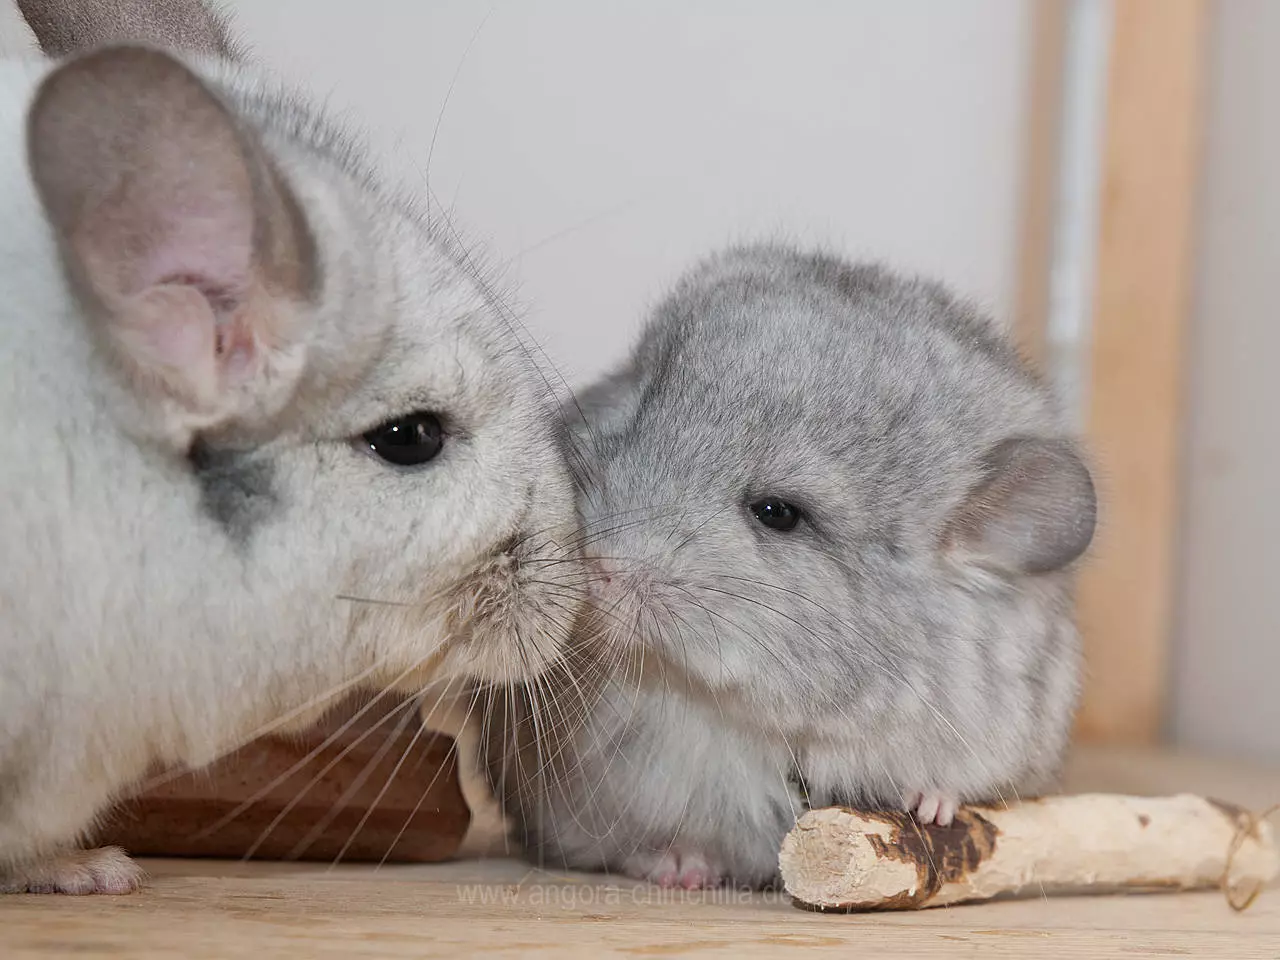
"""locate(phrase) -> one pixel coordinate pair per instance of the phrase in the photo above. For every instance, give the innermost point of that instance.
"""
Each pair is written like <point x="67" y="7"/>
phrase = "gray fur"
<point x="237" y="491"/>
<point x="877" y="650"/>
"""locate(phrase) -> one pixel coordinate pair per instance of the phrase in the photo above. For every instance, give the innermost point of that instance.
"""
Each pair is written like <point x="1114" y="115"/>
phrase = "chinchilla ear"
<point x="187" y="251"/>
<point x="1033" y="512"/>
<point x="607" y="401"/>
<point x="64" y="27"/>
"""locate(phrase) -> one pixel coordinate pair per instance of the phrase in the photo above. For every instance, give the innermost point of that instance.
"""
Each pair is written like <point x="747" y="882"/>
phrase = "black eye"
<point x="408" y="441"/>
<point x="776" y="514"/>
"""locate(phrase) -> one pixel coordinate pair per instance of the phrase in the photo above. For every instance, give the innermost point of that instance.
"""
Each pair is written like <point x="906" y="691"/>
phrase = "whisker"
<point x="322" y="824"/>
<point x="300" y="764"/>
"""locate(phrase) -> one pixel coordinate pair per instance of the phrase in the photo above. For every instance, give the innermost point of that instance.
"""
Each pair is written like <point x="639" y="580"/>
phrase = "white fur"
<point x="133" y="630"/>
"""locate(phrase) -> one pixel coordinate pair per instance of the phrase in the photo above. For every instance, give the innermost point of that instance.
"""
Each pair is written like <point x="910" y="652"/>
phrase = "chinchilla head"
<point x="834" y="499"/>
<point x="356" y="402"/>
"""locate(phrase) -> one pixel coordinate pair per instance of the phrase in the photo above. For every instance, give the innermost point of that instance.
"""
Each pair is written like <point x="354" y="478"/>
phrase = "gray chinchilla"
<point x="830" y="519"/>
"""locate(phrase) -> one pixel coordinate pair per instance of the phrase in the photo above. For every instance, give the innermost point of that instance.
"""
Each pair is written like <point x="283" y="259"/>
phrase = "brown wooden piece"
<point x="421" y="817"/>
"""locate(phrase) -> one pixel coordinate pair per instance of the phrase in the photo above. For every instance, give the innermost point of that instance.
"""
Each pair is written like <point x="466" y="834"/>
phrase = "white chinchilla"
<point x="266" y="434"/>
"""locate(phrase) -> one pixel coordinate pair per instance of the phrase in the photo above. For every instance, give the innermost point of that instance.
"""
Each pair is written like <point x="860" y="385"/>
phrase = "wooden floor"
<point x="502" y="908"/>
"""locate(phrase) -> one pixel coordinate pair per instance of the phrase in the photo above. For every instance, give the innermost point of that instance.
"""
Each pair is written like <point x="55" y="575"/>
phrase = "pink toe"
<point x="673" y="870"/>
<point x="700" y="878"/>
<point x="946" y="812"/>
<point x="78" y="873"/>
<point x="927" y="812"/>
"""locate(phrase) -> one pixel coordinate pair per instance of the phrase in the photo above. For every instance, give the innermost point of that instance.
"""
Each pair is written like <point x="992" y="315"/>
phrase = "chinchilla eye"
<point x="409" y="441"/>
<point x="776" y="514"/>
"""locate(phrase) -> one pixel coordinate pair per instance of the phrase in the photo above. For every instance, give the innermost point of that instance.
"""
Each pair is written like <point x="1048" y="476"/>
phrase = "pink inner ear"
<point x="235" y="346"/>
<point x="169" y="331"/>
<point x="142" y="242"/>
<point x="174" y="277"/>
<point x="158" y="193"/>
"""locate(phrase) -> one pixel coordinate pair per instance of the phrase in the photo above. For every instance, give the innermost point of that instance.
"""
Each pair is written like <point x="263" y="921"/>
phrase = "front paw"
<point x="104" y="870"/>
<point x="931" y="807"/>
<point x="675" y="869"/>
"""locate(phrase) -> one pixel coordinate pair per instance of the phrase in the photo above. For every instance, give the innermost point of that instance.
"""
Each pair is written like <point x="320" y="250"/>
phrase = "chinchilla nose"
<point x="601" y="577"/>
<point x="612" y="580"/>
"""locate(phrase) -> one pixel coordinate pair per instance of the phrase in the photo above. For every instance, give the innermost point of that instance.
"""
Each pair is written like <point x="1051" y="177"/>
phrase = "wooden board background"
<point x="1150" y="168"/>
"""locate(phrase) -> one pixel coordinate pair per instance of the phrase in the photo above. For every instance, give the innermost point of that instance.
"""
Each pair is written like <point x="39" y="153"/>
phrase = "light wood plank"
<point x="441" y="911"/>
<point x="1147" y="221"/>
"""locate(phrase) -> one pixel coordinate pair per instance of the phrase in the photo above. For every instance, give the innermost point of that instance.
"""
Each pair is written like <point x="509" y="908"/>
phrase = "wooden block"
<point x="377" y="793"/>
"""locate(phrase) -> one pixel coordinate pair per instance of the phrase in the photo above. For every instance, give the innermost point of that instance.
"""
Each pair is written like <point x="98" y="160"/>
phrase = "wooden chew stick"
<point x="845" y="860"/>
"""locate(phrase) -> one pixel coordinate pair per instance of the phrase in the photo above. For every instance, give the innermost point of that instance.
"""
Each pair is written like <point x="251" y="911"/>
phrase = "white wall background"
<point x="597" y="148"/>
<point x="1227" y="670"/>
<point x="601" y="146"/>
